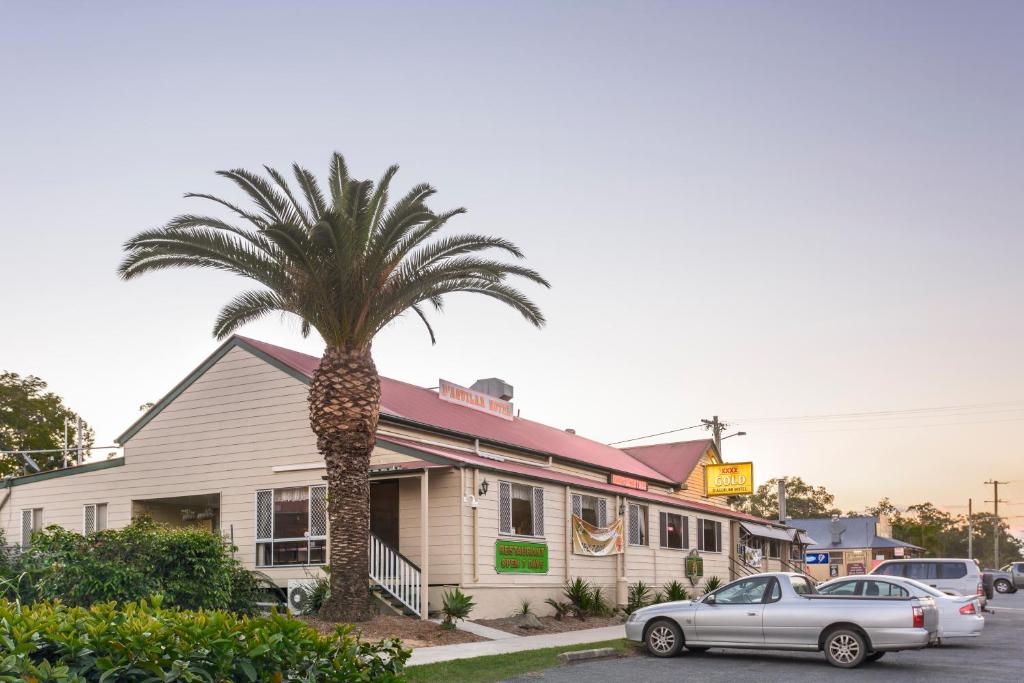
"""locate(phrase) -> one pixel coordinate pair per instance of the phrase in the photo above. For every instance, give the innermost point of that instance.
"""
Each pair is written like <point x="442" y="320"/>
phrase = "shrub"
<point x="599" y="605"/>
<point x="144" y="641"/>
<point x="455" y="605"/>
<point x="524" y="608"/>
<point x="579" y="593"/>
<point x="639" y="595"/>
<point x="673" y="591"/>
<point x="712" y="583"/>
<point x="191" y="568"/>
<point x="561" y="608"/>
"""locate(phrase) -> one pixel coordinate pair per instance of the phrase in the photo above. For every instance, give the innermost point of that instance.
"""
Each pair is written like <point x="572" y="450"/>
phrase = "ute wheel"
<point x="1003" y="586"/>
<point x="874" y="656"/>
<point x="664" y="638"/>
<point x="845" y="648"/>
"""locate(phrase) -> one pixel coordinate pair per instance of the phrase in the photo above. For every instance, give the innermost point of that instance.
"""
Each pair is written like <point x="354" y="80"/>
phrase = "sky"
<point x="755" y="210"/>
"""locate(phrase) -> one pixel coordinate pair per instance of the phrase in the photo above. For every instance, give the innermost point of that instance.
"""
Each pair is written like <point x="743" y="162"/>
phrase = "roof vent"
<point x="837" y="528"/>
<point x="570" y="430"/>
<point x="492" y="386"/>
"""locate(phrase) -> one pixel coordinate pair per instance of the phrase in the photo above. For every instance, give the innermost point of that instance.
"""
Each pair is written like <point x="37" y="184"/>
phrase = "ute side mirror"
<point x="709" y="600"/>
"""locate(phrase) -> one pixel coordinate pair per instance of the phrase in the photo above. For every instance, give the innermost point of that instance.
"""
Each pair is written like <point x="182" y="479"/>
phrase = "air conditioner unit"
<point x="299" y="591"/>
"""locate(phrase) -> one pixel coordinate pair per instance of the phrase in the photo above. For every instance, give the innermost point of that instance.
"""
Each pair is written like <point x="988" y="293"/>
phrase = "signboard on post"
<point x="729" y="479"/>
<point x="520" y="557"/>
<point x="453" y="393"/>
<point x="816" y="558"/>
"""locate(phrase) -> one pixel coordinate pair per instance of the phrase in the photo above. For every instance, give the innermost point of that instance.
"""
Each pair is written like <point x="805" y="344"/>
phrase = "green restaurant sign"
<point x="520" y="557"/>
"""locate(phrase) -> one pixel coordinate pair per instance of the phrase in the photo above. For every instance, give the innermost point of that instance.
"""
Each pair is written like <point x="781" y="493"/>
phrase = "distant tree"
<point x="802" y="500"/>
<point x="32" y="418"/>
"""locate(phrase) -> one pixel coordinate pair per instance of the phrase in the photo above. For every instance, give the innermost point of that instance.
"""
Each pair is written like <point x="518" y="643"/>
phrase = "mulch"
<point x="413" y="632"/>
<point x="552" y="625"/>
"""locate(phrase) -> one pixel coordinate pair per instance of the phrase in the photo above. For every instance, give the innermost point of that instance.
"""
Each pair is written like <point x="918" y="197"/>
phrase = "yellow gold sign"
<point x="729" y="478"/>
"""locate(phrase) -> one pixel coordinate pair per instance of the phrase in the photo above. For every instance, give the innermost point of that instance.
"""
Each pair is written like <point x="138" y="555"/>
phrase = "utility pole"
<point x="716" y="428"/>
<point x="995" y="502"/>
<point x="970" y="528"/>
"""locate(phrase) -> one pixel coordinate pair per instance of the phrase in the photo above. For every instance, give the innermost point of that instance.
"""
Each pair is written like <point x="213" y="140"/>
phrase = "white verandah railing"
<point x="395" y="574"/>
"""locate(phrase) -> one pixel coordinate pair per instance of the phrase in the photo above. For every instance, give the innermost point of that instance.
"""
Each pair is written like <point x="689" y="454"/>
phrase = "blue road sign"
<point x="816" y="558"/>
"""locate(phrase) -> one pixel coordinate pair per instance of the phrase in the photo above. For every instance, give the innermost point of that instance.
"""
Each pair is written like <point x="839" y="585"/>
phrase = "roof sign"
<point x="628" y="482"/>
<point x="475" y="400"/>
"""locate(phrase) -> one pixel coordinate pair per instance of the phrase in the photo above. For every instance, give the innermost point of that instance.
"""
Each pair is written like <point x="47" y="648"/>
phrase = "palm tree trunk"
<point x="344" y="404"/>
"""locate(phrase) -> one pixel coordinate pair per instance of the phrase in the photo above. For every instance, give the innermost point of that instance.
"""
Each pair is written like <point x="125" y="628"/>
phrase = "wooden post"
<point x="424" y="545"/>
<point x="568" y="531"/>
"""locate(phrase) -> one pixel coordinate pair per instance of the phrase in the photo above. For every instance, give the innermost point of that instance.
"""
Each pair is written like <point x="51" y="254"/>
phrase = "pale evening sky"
<point x="749" y="209"/>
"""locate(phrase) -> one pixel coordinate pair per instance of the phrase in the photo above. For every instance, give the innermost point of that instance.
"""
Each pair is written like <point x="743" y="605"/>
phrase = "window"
<point x="922" y="571"/>
<point x="891" y="569"/>
<point x="841" y="588"/>
<point x="883" y="589"/>
<point x="952" y="570"/>
<point x="801" y="586"/>
<point x="796" y="553"/>
<point x="638" y="524"/>
<point x="291" y="526"/>
<point x="776" y="592"/>
<point x="521" y="509"/>
<point x="709" y="535"/>
<point x="675" y="530"/>
<point x="31" y="522"/>
<point x="774" y="549"/>
<point x="94" y="517"/>
<point x="745" y="592"/>
<point x="590" y="509"/>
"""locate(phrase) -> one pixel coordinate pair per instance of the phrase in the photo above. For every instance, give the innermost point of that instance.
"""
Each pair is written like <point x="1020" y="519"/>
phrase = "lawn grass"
<point x="499" y="667"/>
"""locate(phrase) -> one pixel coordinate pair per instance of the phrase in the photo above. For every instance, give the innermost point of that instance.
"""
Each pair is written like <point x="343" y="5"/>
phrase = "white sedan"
<point x="959" y="615"/>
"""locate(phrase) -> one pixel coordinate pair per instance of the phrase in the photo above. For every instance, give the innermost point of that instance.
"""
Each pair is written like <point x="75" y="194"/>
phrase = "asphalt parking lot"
<point x="996" y="655"/>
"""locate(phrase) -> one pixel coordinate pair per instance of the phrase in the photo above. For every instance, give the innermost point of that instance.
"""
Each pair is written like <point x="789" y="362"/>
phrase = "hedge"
<point x="190" y="568"/>
<point x="145" y="641"/>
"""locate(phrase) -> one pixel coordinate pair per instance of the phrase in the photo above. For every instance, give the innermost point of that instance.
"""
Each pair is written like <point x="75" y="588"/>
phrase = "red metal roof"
<point x="674" y="460"/>
<point x="548" y="474"/>
<point x="411" y="402"/>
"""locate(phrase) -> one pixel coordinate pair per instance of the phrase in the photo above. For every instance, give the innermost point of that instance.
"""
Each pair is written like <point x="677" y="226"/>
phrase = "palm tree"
<point x="346" y="263"/>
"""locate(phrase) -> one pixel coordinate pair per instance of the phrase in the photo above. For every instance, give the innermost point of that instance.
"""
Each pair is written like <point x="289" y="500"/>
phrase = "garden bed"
<point x="552" y="625"/>
<point x="413" y="632"/>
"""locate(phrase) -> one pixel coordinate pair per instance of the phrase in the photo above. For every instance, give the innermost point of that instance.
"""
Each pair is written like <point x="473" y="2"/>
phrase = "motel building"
<point x="464" y="492"/>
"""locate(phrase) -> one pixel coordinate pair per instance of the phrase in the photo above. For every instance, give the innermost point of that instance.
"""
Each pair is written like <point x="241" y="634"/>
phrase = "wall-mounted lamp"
<point x="482" y="491"/>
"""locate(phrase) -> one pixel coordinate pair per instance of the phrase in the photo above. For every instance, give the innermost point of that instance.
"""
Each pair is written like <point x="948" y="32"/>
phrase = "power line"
<point x="648" y="436"/>
<point x="975" y="408"/>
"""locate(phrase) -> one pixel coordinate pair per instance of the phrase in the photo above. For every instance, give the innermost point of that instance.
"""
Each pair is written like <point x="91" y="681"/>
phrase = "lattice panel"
<point x="90" y="519"/>
<point x="26" y="528"/>
<point x="317" y="511"/>
<point x="505" y="507"/>
<point x="635" y="535"/>
<point x="577" y="505"/>
<point x="602" y="512"/>
<point x="538" y="511"/>
<point x="264" y="515"/>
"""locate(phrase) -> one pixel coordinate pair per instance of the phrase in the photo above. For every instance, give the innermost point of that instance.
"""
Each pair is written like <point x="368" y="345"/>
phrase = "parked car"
<point x="783" y="611"/>
<point x="959" y="615"/>
<point x="955" y="576"/>
<point x="1009" y="579"/>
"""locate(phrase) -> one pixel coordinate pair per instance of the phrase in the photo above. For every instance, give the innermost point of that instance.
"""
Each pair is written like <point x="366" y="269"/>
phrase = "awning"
<point x="802" y="538"/>
<point x="766" y="531"/>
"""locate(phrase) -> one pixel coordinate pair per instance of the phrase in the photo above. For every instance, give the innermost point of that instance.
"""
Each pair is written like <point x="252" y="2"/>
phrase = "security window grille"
<point x="638" y="524"/>
<point x="94" y="517"/>
<point x="675" y="530"/>
<point x="709" y="535"/>
<point x="590" y="509"/>
<point x="31" y="522"/>
<point x="521" y="509"/>
<point x="291" y="526"/>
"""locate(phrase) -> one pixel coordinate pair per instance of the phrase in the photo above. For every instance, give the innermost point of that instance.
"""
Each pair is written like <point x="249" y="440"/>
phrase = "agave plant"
<point x="639" y="595"/>
<point x="712" y="583"/>
<point x="673" y="591"/>
<point x="346" y="262"/>
<point x="455" y="605"/>
<point x="561" y="608"/>
<point x="579" y="593"/>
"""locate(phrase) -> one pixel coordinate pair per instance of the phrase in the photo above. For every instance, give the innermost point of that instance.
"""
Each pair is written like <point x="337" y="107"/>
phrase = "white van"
<point x="949" y="575"/>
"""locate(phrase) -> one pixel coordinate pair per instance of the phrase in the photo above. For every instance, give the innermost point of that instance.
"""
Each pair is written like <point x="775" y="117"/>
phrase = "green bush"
<point x="673" y="591"/>
<point x="143" y="641"/>
<point x="579" y="593"/>
<point x="561" y="608"/>
<point x="712" y="583"/>
<point x="639" y="595"/>
<point x="191" y="568"/>
<point x="455" y="605"/>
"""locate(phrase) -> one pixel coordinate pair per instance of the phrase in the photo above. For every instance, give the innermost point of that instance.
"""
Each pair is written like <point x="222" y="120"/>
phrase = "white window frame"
<point x="644" y="524"/>
<point x="36" y="522"/>
<point x="701" y="521"/>
<point x="95" y="517"/>
<point x="602" y="507"/>
<point x="308" y="538"/>
<point x="536" y="509"/>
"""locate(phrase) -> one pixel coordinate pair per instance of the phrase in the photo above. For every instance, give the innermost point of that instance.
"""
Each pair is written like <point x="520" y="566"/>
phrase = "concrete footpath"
<point x="513" y="643"/>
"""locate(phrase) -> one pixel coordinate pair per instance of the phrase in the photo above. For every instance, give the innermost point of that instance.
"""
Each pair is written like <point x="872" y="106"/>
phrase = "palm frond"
<point x="245" y="308"/>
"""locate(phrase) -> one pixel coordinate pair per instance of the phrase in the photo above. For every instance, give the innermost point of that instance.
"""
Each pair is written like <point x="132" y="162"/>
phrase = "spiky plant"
<point x="347" y="262"/>
<point x="639" y="595"/>
<point x="674" y="591"/>
<point x="711" y="584"/>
